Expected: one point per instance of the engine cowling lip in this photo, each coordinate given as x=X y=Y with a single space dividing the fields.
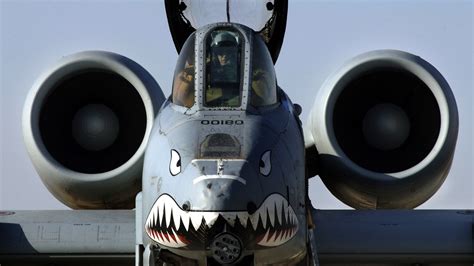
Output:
x=333 y=86
x=69 y=65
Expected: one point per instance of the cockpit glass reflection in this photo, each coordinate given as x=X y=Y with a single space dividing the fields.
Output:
x=263 y=84
x=183 y=83
x=223 y=68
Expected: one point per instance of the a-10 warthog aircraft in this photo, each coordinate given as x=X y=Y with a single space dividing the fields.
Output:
x=218 y=172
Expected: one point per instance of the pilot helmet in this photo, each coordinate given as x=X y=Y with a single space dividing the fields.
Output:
x=224 y=39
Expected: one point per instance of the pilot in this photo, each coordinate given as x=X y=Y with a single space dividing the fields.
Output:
x=224 y=86
x=224 y=56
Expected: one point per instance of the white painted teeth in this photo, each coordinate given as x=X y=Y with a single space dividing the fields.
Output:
x=273 y=209
x=160 y=211
x=176 y=219
x=168 y=210
x=273 y=238
x=154 y=213
x=243 y=217
x=210 y=218
x=230 y=217
x=165 y=208
x=196 y=220
x=178 y=240
x=276 y=239
x=278 y=211
x=263 y=215
x=254 y=220
x=277 y=218
x=185 y=223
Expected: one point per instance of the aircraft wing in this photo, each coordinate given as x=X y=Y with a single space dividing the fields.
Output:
x=67 y=237
x=343 y=237
x=394 y=237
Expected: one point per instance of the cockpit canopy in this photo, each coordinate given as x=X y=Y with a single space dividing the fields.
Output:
x=267 y=18
x=232 y=65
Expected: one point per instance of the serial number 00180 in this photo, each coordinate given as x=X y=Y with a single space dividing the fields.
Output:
x=222 y=122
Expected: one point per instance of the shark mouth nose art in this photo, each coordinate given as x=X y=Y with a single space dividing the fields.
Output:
x=272 y=224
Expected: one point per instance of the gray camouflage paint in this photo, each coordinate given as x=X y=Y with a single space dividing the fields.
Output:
x=186 y=206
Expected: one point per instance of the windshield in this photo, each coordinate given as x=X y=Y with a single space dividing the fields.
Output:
x=223 y=68
x=183 y=82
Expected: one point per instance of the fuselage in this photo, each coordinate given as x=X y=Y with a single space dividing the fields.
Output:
x=224 y=171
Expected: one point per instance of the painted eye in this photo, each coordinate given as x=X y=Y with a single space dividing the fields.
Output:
x=265 y=163
x=175 y=163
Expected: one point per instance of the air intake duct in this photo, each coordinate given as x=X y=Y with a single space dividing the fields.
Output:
x=86 y=123
x=385 y=127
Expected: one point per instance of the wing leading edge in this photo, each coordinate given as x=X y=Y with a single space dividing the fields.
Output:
x=343 y=237
x=79 y=237
x=394 y=237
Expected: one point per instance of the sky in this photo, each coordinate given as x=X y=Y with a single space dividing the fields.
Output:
x=320 y=37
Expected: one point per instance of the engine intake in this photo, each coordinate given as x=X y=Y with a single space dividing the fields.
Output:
x=385 y=127
x=86 y=123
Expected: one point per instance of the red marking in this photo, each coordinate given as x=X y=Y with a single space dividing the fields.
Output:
x=183 y=239
x=260 y=237
x=150 y=232
x=166 y=235
x=271 y=233
x=278 y=232
x=172 y=236
x=160 y=236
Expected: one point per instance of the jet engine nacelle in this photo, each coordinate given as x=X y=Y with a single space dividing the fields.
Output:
x=86 y=123
x=385 y=127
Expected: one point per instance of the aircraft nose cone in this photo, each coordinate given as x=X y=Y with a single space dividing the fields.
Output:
x=224 y=195
x=225 y=186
